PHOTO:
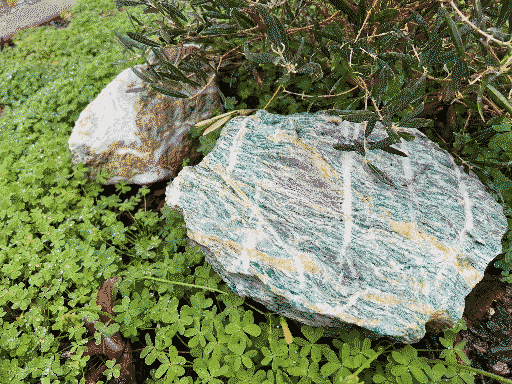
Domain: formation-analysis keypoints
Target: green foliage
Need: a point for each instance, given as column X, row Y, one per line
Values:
column 208, row 142
column 28, row 80
column 59, row 243
column 31, row 81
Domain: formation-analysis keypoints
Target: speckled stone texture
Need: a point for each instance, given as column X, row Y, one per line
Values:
column 140, row 137
column 312, row 234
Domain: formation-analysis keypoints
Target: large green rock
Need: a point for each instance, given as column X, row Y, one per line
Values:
column 313, row 234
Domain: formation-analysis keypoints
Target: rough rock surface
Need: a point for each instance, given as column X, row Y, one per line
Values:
column 139, row 137
column 312, row 234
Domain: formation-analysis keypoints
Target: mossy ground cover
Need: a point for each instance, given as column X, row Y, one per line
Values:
column 59, row 243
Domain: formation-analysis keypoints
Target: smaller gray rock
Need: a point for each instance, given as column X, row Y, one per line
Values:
column 311, row 233
column 142, row 137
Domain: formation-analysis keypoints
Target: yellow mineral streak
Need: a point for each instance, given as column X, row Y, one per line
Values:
column 448, row 254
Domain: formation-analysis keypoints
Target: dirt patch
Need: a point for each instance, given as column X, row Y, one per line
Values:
column 24, row 15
